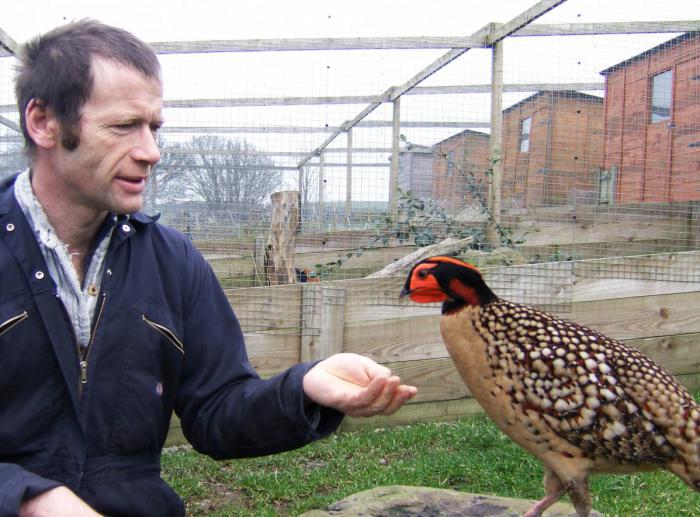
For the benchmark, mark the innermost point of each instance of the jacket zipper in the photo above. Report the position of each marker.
(169, 334)
(85, 355)
(8, 324)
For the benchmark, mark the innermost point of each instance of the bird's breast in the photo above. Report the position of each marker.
(469, 351)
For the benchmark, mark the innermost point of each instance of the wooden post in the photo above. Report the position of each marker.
(321, 190)
(302, 188)
(394, 171)
(279, 251)
(259, 261)
(330, 339)
(311, 298)
(494, 199)
(348, 180)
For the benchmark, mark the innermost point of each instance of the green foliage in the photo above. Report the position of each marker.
(420, 223)
(470, 455)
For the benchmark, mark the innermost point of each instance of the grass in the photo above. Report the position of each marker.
(469, 455)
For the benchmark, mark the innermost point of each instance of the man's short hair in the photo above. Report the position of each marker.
(56, 69)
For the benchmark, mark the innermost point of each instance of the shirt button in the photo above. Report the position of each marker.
(10, 227)
(92, 290)
(39, 275)
(126, 228)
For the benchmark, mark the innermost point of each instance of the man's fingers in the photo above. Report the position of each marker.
(377, 390)
(401, 396)
(383, 396)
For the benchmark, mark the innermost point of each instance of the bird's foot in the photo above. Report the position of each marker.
(544, 503)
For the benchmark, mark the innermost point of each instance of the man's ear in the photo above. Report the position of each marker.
(42, 125)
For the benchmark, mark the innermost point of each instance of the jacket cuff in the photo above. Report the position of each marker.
(321, 421)
(18, 485)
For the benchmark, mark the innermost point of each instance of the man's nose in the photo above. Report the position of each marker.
(146, 150)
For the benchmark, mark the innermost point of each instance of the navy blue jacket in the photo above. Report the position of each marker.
(165, 338)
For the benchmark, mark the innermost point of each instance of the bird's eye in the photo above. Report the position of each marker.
(423, 274)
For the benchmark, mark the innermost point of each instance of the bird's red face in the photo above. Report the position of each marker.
(422, 286)
(441, 279)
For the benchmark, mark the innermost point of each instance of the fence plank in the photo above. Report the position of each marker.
(267, 308)
(401, 339)
(311, 322)
(271, 353)
(640, 317)
(412, 413)
(332, 321)
(436, 379)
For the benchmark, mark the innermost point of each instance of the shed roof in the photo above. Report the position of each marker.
(659, 48)
(562, 94)
(466, 132)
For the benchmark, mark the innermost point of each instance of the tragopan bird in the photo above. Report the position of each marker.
(581, 402)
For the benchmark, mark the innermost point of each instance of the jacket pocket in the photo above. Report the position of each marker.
(153, 355)
(31, 385)
(165, 331)
(12, 321)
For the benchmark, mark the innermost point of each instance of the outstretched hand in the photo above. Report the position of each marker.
(357, 386)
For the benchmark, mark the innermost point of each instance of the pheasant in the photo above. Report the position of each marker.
(581, 402)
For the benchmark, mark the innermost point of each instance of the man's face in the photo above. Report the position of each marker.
(118, 125)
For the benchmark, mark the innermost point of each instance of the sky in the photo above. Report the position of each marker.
(162, 20)
(322, 73)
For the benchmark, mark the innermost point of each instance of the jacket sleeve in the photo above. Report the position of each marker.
(18, 485)
(226, 409)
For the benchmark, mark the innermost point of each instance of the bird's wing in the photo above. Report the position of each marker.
(578, 381)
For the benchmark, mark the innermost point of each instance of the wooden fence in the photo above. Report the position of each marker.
(651, 302)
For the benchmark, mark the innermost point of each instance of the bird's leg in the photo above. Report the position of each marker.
(554, 489)
(580, 497)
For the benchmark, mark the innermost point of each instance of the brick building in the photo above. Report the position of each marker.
(416, 170)
(652, 123)
(459, 169)
(552, 149)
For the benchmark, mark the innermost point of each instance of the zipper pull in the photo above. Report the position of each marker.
(83, 372)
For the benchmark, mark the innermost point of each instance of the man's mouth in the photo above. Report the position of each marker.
(134, 184)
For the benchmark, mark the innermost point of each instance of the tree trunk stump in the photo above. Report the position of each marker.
(279, 251)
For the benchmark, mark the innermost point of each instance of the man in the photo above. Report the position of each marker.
(110, 321)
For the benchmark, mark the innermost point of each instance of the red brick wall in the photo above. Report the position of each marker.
(655, 162)
(565, 152)
(471, 156)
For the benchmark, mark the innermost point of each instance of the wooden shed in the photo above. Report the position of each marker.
(459, 169)
(552, 149)
(652, 123)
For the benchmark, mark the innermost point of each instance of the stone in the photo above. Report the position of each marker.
(413, 501)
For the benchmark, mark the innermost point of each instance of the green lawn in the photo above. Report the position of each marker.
(470, 455)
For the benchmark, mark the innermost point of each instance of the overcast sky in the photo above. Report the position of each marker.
(157, 20)
(213, 19)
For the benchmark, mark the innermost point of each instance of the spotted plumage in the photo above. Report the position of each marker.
(579, 401)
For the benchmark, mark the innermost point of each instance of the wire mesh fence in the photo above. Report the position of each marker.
(551, 142)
